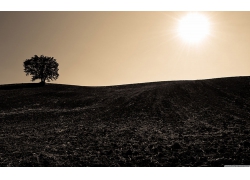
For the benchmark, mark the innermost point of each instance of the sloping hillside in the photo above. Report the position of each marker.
(176, 123)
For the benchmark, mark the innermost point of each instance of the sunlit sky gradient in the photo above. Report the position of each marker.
(112, 48)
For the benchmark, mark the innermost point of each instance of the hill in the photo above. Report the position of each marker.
(174, 123)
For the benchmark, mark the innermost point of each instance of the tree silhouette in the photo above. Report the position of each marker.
(43, 67)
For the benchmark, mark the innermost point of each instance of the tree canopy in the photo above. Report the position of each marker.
(43, 67)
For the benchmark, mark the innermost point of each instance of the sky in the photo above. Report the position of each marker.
(102, 48)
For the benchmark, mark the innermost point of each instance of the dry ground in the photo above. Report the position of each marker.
(179, 123)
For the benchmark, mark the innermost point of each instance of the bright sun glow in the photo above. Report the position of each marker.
(194, 27)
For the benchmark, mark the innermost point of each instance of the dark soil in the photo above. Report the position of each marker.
(178, 123)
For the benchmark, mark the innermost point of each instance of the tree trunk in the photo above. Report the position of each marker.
(42, 82)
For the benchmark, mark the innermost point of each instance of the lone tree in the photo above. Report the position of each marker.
(43, 67)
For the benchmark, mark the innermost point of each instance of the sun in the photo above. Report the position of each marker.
(193, 28)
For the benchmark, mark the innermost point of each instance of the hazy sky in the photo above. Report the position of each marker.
(111, 48)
